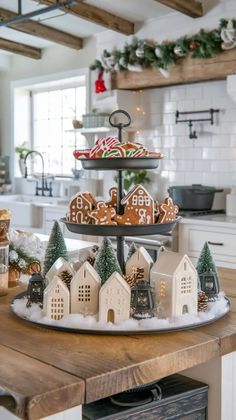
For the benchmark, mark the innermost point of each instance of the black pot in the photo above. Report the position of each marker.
(193, 197)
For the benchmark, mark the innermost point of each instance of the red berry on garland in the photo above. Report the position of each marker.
(193, 46)
(100, 84)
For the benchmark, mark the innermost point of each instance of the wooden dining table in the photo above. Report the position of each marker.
(47, 371)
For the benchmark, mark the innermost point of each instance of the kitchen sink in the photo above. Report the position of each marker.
(27, 210)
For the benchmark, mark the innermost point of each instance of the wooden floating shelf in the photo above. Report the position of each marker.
(187, 70)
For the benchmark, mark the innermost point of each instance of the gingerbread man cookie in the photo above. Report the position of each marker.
(113, 198)
(103, 215)
(168, 211)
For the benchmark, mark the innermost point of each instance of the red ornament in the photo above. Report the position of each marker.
(100, 84)
(193, 46)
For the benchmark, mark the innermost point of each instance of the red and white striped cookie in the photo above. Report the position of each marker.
(82, 154)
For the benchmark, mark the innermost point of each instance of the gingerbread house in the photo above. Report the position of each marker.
(114, 300)
(174, 280)
(79, 206)
(56, 301)
(139, 207)
(84, 289)
(140, 259)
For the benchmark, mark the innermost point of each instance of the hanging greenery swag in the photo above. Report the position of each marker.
(141, 54)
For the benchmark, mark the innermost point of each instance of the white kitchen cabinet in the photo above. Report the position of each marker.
(221, 238)
(50, 214)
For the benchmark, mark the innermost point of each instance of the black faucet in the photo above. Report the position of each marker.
(44, 185)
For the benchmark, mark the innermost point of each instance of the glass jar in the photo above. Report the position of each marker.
(4, 255)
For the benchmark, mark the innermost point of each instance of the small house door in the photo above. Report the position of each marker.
(185, 309)
(111, 316)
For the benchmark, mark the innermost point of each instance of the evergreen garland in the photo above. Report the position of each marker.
(106, 262)
(205, 262)
(141, 53)
(20, 260)
(56, 247)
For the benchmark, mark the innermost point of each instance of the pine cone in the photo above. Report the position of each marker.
(202, 301)
(91, 260)
(66, 277)
(137, 274)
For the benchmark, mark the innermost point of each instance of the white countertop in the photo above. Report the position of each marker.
(219, 220)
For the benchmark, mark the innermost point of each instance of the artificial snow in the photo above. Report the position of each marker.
(80, 322)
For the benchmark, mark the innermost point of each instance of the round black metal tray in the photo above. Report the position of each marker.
(116, 331)
(110, 164)
(121, 230)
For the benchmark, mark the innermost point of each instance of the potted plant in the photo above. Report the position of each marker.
(133, 177)
(22, 151)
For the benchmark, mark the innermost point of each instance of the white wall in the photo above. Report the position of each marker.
(211, 159)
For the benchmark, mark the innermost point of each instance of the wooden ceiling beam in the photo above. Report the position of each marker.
(22, 49)
(96, 15)
(190, 8)
(34, 28)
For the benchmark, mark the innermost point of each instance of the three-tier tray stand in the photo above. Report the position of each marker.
(120, 164)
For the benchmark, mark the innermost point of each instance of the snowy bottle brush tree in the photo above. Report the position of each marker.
(205, 262)
(56, 247)
(106, 262)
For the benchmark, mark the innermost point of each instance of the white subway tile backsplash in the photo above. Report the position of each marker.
(218, 153)
(211, 158)
(169, 141)
(184, 105)
(203, 104)
(185, 165)
(176, 178)
(195, 92)
(201, 165)
(233, 140)
(177, 93)
(223, 166)
(170, 106)
(169, 164)
(193, 177)
(221, 140)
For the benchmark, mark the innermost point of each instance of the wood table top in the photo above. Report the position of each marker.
(48, 371)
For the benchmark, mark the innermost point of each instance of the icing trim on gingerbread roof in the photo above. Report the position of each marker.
(87, 196)
(132, 191)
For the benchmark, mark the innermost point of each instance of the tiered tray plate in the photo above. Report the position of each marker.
(121, 230)
(110, 164)
(109, 329)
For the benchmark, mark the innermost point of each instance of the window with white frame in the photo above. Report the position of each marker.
(53, 110)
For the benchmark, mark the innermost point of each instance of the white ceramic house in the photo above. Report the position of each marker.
(84, 288)
(56, 302)
(140, 259)
(174, 280)
(114, 300)
(60, 265)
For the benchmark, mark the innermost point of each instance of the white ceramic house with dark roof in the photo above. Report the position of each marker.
(174, 280)
(84, 290)
(60, 265)
(141, 259)
(114, 300)
(56, 302)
